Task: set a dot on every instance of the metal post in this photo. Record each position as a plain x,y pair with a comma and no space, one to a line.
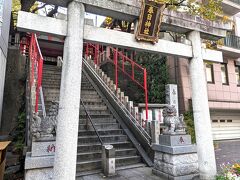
96,54
116,67
133,70
123,63
87,51
146,93
39,82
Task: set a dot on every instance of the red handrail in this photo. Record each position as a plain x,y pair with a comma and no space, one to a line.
125,59
36,60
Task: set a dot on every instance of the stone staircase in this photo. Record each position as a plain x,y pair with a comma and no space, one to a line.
89,147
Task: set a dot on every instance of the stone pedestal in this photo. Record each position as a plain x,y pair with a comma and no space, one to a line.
155,131
175,158
108,160
39,162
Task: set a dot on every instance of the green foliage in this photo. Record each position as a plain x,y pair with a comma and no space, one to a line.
16,6
19,136
221,177
208,9
157,78
189,120
157,75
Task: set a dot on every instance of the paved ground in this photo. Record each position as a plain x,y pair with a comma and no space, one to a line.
227,151
143,173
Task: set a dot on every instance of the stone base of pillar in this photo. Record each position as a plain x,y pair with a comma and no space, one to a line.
175,158
38,167
39,162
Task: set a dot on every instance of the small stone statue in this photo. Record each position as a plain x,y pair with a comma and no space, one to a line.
174,125
45,127
35,126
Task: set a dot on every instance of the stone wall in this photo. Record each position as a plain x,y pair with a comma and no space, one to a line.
13,90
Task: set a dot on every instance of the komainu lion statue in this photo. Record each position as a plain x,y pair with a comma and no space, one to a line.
45,127
174,124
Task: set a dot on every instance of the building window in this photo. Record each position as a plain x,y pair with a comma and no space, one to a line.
209,73
237,73
224,74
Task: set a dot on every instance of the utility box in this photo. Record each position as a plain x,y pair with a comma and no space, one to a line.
3,152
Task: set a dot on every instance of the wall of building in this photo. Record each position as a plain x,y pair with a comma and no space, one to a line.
13,90
237,24
5,15
179,74
222,97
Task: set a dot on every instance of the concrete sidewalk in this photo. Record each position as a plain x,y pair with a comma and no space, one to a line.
143,173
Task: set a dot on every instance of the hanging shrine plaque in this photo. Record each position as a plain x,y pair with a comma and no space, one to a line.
149,21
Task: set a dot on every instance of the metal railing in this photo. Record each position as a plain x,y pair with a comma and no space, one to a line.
88,118
134,121
43,103
36,64
232,41
122,63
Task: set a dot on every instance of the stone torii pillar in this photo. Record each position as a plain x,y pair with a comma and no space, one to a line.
205,149
68,117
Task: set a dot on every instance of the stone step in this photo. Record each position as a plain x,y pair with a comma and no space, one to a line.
91,108
50,94
51,82
89,165
87,88
101,132
52,90
51,98
105,138
97,146
51,77
93,103
87,101
103,126
51,86
99,120
101,107
127,160
97,111
96,164
90,96
52,71
89,92
86,156
79,175
90,100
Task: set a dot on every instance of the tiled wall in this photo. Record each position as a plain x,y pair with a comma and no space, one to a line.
224,96
220,96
